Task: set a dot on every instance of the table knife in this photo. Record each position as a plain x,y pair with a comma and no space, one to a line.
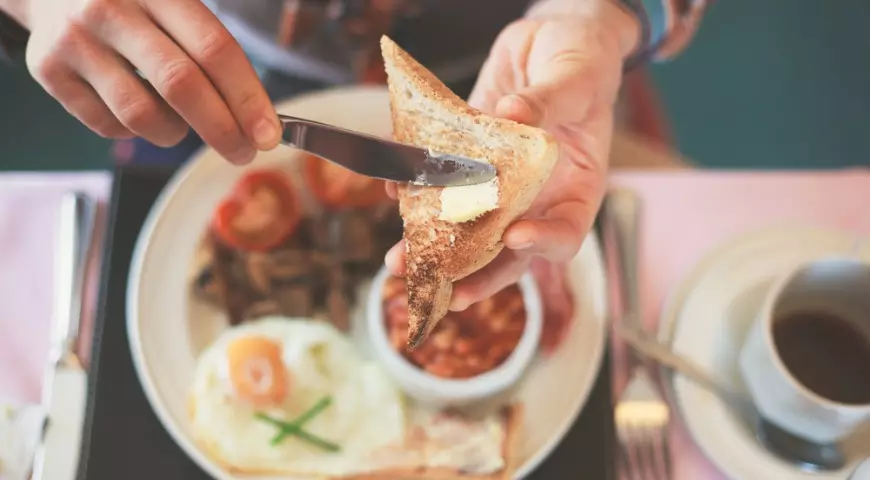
384,159
65,387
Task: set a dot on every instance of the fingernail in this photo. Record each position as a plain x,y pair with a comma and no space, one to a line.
393,259
244,155
518,241
266,133
517,108
458,304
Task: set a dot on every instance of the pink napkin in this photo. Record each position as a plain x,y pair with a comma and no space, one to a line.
686,214
29,207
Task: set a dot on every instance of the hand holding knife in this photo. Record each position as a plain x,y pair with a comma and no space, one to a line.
65,388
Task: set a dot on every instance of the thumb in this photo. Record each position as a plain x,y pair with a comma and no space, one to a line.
561,90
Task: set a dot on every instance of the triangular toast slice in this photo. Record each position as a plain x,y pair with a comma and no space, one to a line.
452,232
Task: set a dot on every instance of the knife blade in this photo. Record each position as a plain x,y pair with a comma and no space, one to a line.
65,382
384,159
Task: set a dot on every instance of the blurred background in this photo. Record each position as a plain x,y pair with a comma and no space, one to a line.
764,85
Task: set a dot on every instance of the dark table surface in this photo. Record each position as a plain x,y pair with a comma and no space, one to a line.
126,441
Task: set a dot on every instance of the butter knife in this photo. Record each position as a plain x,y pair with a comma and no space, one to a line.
378,158
65,388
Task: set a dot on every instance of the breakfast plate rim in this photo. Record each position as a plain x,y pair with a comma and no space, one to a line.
152,225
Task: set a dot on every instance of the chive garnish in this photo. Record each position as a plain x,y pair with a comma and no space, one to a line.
295,427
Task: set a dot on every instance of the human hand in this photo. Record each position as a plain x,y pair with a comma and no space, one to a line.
85,53
560,69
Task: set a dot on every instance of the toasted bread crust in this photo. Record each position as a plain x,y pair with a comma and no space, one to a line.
512,418
427,114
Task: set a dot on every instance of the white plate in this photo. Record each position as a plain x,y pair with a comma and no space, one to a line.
168,328
707,319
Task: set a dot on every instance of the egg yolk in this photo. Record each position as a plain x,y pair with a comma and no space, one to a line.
256,371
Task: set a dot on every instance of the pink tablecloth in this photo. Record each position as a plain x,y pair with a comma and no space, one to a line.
29,209
686,214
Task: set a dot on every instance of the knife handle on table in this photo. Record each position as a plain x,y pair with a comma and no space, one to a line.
64,391
77,218
622,227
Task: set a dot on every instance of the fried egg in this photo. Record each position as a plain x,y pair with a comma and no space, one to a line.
280,368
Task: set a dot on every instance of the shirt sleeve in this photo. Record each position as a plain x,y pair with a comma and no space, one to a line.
13,37
673,24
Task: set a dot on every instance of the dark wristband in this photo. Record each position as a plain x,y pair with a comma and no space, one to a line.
654,29
13,37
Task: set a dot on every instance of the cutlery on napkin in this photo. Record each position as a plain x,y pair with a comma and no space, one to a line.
64,390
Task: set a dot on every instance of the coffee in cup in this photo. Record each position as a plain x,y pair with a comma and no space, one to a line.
807,358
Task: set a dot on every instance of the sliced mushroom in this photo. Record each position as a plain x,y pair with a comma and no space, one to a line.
278,268
320,232
205,286
355,240
258,269
261,309
289,265
338,308
295,300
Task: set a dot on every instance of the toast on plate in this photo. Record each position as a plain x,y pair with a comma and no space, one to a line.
437,446
452,232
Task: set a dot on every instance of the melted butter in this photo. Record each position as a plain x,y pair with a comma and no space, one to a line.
463,204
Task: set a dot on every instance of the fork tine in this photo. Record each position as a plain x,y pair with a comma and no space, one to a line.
642,419
648,451
623,464
637,453
664,456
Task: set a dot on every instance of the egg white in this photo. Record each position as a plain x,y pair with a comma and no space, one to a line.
367,411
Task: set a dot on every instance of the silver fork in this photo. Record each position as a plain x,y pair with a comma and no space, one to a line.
642,416
642,419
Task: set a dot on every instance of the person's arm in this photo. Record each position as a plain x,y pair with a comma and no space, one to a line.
666,26
13,33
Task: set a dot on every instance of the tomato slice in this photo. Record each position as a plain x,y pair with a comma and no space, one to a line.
260,213
337,187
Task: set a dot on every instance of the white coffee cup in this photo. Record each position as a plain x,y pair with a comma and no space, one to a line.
834,286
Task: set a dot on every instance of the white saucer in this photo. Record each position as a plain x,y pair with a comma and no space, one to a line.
707,318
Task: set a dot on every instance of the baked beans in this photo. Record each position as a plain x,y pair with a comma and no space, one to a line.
463,344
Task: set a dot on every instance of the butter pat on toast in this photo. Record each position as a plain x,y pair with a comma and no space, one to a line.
452,232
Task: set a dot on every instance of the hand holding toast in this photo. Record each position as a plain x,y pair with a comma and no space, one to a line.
558,69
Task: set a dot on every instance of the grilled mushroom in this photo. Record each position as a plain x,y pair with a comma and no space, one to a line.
261,309
338,308
205,287
295,300
352,236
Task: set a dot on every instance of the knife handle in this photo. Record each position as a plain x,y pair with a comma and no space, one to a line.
622,216
78,214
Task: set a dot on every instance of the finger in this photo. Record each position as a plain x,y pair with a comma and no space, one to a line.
485,94
196,30
123,92
78,98
505,270
176,77
392,190
499,72
395,259
563,82
556,237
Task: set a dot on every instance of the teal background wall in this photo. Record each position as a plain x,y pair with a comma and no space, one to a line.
774,84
